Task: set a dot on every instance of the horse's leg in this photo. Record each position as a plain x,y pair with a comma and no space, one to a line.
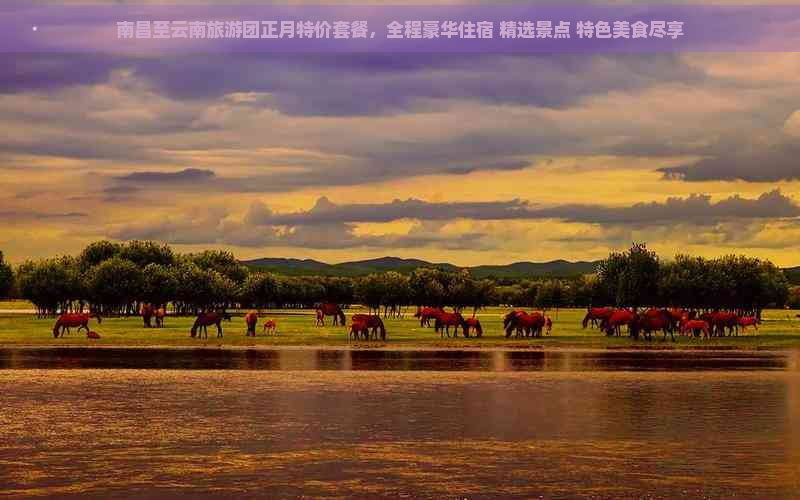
219,329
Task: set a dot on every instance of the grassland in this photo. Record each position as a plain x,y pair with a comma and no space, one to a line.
779,330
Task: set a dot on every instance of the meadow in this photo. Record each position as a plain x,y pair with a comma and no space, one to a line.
780,330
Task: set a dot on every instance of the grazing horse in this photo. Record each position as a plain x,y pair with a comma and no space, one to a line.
445,320
270,327
205,319
357,329
597,314
654,320
746,321
161,313
371,321
695,326
426,314
251,319
509,317
720,320
147,311
330,309
532,324
67,320
475,324
619,318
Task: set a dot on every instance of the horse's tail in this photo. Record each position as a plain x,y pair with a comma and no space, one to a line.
56,327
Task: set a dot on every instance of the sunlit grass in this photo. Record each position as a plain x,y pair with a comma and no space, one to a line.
780,329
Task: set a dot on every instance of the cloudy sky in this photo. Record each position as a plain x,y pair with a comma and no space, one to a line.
471,159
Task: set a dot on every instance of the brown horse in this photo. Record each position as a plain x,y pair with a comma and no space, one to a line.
426,314
371,321
532,324
270,327
357,329
67,320
205,319
656,319
746,321
330,309
147,311
445,320
161,313
620,318
251,320
695,326
720,320
597,314
473,323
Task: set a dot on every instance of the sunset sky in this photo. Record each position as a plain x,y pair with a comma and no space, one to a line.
465,158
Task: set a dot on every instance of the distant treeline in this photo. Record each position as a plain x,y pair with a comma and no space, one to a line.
115,278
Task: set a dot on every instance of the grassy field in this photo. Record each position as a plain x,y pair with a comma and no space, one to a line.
780,330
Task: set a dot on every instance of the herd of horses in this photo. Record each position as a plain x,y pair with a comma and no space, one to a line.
668,321
517,322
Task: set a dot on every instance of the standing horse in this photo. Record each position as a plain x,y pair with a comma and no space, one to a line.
619,318
251,320
473,323
67,320
695,326
205,319
357,329
656,319
426,314
147,311
161,313
445,320
330,309
720,320
371,321
270,327
532,324
746,321
595,314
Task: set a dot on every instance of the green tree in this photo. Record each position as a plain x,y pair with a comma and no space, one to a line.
6,277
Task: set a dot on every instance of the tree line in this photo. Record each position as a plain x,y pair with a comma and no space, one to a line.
115,278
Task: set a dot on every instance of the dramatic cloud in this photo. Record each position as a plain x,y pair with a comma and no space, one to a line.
770,164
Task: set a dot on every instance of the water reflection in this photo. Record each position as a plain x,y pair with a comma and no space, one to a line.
407,360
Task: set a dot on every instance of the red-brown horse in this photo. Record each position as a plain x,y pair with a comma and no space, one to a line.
695,326
597,314
147,311
330,309
206,319
371,321
653,320
721,320
474,324
746,321
426,314
161,313
251,320
270,327
68,320
358,329
531,324
618,319
445,320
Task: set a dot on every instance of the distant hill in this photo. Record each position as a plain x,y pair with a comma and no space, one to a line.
305,267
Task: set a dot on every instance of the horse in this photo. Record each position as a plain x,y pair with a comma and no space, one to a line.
746,321
619,318
147,311
425,315
371,321
330,309
720,320
161,313
251,319
548,324
532,324
81,320
509,317
358,328
445,320
656,319
595,314
271,327
209,318
473,323
695,326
